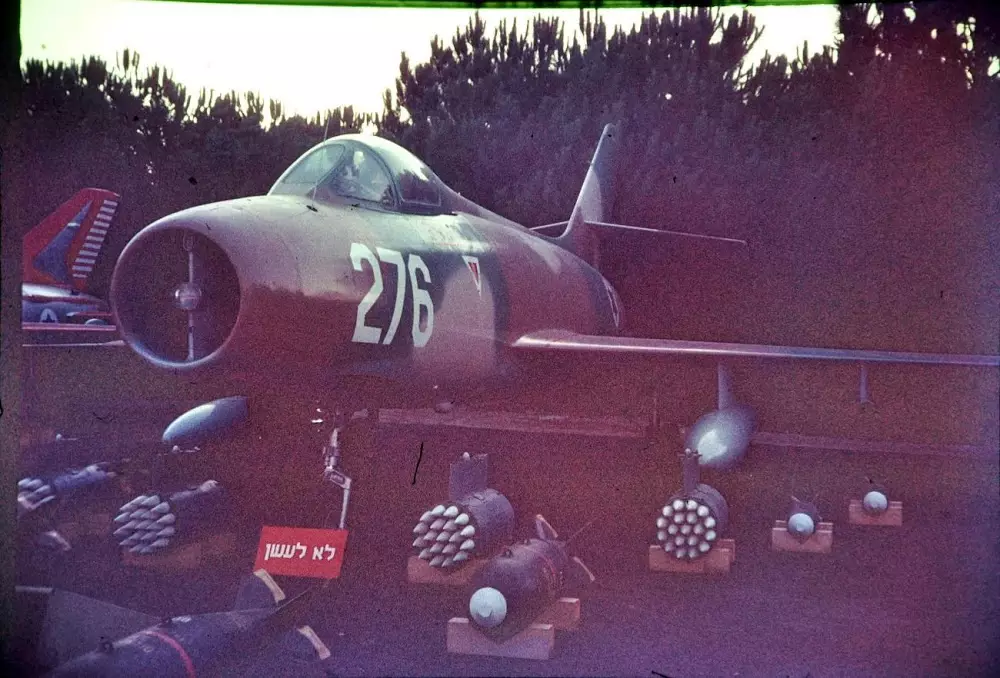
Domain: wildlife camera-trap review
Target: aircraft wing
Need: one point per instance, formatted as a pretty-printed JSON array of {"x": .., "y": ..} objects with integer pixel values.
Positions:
[{"x": 561, "y": 340}]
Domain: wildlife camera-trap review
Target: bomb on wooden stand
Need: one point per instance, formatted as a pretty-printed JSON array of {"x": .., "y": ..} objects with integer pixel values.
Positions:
[
  {"x": 803, "y": 517},
  {"x": 516, "y": 585},
  {"x": 875, "y": 502}
]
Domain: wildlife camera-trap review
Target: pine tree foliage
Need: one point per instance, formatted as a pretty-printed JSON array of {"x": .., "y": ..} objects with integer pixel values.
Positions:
[
  {"x": 139, "y": 132},
  {"x": 863, "y": 175}
]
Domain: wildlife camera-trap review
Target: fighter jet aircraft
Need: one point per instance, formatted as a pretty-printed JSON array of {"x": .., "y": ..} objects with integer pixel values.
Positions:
[
  {"x": 59, "y": 256},
  {"x": 361, "y": 279}
]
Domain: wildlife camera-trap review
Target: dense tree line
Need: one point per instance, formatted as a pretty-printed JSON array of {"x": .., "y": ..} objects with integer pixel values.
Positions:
[
  {"x": 139, "y": 132},
  {"x": 864, "y": 177}
]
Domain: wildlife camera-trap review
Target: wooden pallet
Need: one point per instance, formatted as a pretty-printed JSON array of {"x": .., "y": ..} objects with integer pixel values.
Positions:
[
  {"x": 717, "y": 561},
  {"x": 419, "y": 571},
  {"x": 893, "y": 516},
  {"x": 821, "y": 541},
  {"x": 535, "y": 642},
  {"x": 538, "y": 641},
  {"x": 564, "y": 614},
  {"x": 185, "y": 557}
]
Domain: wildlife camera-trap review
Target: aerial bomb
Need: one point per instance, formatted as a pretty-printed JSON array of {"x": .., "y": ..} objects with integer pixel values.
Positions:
[
  {"x": 803, "y": 517},
  {"x": 207, "y": 422},
  {"x": 184, "y": 513},
  {"x": 801, "y": 525},
  {"x": 476, "y": 525},
  {"x": 488, "y": 607},
  {"x": 514, "y": 586}
]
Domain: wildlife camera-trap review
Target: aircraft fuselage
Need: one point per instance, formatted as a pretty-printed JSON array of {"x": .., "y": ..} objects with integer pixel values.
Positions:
[{"x": 291, "y": 289}]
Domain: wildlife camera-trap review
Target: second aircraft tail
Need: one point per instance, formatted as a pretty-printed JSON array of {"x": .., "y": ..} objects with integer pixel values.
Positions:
[{"x": 63, "y": 248}]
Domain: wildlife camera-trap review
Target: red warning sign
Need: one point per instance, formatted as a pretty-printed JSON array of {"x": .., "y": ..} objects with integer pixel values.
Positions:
[{"x": 301, "y": 551}]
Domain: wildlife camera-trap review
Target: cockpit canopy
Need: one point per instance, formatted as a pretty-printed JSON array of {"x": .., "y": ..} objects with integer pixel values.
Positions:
[{"x": 357, "y": 167}]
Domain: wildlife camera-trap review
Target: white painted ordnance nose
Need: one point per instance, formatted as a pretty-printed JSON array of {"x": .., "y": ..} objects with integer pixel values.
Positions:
[
  {"x": 801, "y": 525},
  {"x": 488, "y": 607},
  {"x": 875, "y": 502}
]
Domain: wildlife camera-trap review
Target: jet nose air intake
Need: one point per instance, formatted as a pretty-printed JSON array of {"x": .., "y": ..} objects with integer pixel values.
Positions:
[{"x": 176, "y": 295}]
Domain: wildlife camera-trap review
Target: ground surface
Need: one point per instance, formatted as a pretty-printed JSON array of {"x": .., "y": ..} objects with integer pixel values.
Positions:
[{"x": 921, "y": 600}]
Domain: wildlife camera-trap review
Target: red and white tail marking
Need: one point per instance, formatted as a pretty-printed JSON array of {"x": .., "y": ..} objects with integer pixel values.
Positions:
[
  {"x": 63, "y": 248},
  {"x": 90, "y": 247}
]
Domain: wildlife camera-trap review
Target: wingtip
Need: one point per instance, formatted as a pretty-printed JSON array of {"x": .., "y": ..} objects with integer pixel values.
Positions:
[{"x": 544, "y": 529}]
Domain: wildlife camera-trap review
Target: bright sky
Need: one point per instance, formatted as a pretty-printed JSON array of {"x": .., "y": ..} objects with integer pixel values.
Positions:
[{"x": 311, "y": 58}]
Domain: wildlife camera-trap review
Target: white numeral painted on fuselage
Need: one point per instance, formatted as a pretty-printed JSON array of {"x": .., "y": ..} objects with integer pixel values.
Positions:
[
  {"x": 421, "y": 300},
  {"x": 396, "y": 259},
  {"x": 423, "y": 306},
  {"x": 363, "y": 333}
]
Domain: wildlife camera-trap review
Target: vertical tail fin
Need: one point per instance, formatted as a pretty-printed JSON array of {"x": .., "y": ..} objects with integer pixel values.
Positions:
[
  {"x": 595, "y": 201},
  {"x": 63, "y": 248}
]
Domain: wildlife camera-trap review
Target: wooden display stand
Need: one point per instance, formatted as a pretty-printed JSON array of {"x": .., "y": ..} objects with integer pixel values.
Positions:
[
  {"x": 185, "y": 557},
  {"x": 716, "y": 561},
  {"x": 538, "y": 641},
  {"x": 821, "y": 541},
  {"x": 419, "y": 571},
  {"x": 893, "y": 516},
  {"x": 564, "y": 614}
]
